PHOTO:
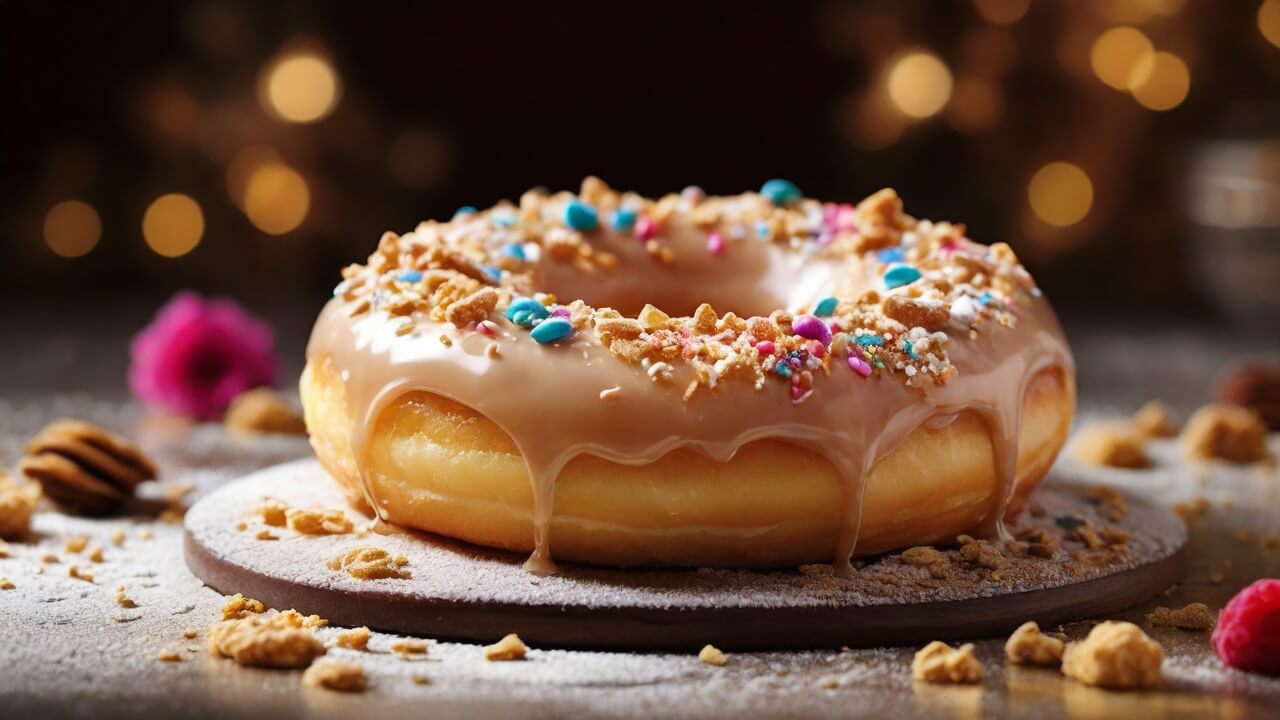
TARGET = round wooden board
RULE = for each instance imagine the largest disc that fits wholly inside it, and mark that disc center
(462, 592)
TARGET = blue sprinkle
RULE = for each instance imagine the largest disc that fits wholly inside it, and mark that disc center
(780, 192)
(826, 307)
(492, 272)
(505, 219)
(409, 276)
(581, 216)
(782, 369)
(624, 220)
(865, 340)
(515, 250)
(985, 299)
(551, 330)
(900, 275)
(891, 255)
(762, 229)
(464, 211)
(525, 311)
(911, 353)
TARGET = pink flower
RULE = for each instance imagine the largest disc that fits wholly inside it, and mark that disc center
(197, 355)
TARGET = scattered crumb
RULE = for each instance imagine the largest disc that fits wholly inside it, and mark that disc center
(265, 641)
(938, 662)
(6, 584)
(273, 512)
(1226, 432)
(49, 558)
(510, 647)
(1116, 655)
(1195, 616)
(190, 634)
(123, 599)
(319, 522)
(309, 621)
(239, 606)
(263, 410)
(266, 535)
(982, 554)
(95, 554)
(75, 544)
(145, 534)
(1190, 509)
(926, 557)
(339, 675)
(370, 563)
(80, 573)
(712, 655)
(117, 537)
(169, 656)
(1154, 420)
(17, 504)
(5, 550)
(1028, 646)
(1110, 444)
(409, 646)
(354, 638)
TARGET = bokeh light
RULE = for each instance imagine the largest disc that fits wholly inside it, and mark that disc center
(173, 225)
(1060, 194)
(1166, 83)
(300, 87)
(976, 106)
(243, 166)
(72, 228)
(1269, 21)
(919, 84)
(1002, 12)
(1120, 55)
(276, 198)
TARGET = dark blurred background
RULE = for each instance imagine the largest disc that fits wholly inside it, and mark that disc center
(1129, 150)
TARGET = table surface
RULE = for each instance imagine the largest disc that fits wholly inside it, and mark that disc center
(69, 650)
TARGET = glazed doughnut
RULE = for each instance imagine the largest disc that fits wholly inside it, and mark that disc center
(821, 380)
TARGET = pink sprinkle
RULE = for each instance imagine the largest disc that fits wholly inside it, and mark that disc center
(765, 347)
(858, 365)
(561, 311)
(812, 328)
(817, 349)
(645, 229)
(715, 243)
(486, 328)
(846, 218)
(796, 392)
(949, 245)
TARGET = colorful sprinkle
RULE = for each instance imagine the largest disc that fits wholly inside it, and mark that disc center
(486, 327)
(464, 211)
(765, 347)
(780, 192)
(715, 243)
(865, 340)
(515, 250)
(782, 369)
(581, 216)
(503, 219)
(645, 229)
(984, 299)
(816, 349)
(858, 365)
(812, 328)
(624, 219)
(409, 276)
(891, 255)
(551, 330)
(525, 311)
(492, 272)
(562, 312)
(826, 307)
(900, 275)
(910, 351)
(762, 229)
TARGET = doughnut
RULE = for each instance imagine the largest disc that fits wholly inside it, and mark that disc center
(753, 381)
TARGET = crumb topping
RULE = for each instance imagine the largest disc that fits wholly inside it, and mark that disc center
(339, 675)
(319, 522)
(1028, 646)
(1116, 655)
(278, 640)
(353, 638)
(1226, 432)
(938, 662)
(1195, 616)
(477, 273)
(510, 647)
(17, 505)
(712, 655)
(370, 563)
(238, 606)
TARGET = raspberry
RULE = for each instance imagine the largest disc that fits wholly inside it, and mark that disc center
(1248, 632)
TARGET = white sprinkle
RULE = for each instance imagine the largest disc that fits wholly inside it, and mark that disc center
(612, 393)
(963, 312)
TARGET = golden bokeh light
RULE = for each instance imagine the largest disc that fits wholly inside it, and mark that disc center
(1060, 194)
(72, 228)
(1269, 21)
(300, 87)
(173, 225)
(1166, 83)
(276, 198)
(977, 105)
(1119, 57)
(1002, 12)
(243, 166)
(919, 84)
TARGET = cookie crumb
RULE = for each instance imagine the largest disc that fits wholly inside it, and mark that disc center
(928, 558)
(123, 599)
(409, 646)
(272, 641)
(337, 675)
(1190, 509)
(419, 679)
(80, 573)
(1028, 646)
(273, 512)
(712, 655)
(370, 563)
(319, 522)
(938, 662)
(510, 647)
(189, 634)
(1110, 444)
(1225, 432)
(169, 656)
(1154, 420)
(353, 638)
(6, 584)
(263, 410)
(95, 554)
(1115, 655)
(238, 606)
(265, 534)
(17, 505)
(1195, 616)
(117, 537)
(145, 534)
(75, 544)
